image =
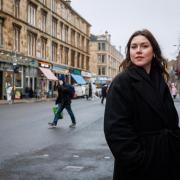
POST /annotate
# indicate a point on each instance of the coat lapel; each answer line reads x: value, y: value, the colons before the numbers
x: 145, y: 89
x: 150, y: 97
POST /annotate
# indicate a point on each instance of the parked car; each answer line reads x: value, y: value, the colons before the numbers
x: 79, y: 90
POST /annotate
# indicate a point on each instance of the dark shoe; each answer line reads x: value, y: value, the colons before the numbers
x: 72, y: 125
x: 52, y: 124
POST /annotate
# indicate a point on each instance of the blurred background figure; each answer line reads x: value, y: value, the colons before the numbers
x: 94, y: 91
x: 9, y: 93
x: 90, y: 91
x: 173, y: 90
x: 87, y: 91
x: 103, y: 92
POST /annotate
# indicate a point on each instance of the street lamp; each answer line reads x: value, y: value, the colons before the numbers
x: 15, y: 70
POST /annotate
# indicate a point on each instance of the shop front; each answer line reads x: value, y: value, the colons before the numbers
x: 14, y: 78
x: 78, y: 82
x: 87, y: 76
x: 20, y: 72
x: 100, y: 80
x: 31, y: 79
x: 77, y: 78
x: 61, y: 72
x: 46, y: 80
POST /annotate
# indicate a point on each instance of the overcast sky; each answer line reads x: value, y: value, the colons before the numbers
x: 122, y: 17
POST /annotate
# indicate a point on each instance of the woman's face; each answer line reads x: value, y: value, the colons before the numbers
x: 141, y: 52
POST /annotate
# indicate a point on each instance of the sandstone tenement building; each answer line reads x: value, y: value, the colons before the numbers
x: 41, y: 40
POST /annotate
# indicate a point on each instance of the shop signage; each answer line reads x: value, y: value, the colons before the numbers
x: 60, y: 69
x: 75, y: 71
x: 44, y: 65
x: 5, y: 66
x: 86, y: 74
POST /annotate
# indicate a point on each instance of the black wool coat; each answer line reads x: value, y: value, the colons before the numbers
x: 141, y: 127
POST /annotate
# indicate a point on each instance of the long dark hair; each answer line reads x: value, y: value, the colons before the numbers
x: 156, y: 49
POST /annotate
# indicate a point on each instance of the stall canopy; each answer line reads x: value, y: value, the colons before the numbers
x: 78, y: 78
x: 49, y: 74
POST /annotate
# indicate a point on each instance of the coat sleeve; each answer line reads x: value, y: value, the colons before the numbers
x: 118, y: 126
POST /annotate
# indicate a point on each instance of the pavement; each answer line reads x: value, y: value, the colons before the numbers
x: 32, y: 100
x: 27, y: 100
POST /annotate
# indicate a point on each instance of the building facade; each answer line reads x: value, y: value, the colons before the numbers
x: 174, y: 71
x: 40, y: 39
x: 104, y: 58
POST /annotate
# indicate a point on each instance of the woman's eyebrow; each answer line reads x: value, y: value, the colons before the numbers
x: 142, y: 43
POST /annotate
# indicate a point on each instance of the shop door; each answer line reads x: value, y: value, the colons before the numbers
x: 1, y: 84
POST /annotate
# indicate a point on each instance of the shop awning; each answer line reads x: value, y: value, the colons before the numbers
x: 78, y: 78
x: 60, y: 70
x: 49, y: 74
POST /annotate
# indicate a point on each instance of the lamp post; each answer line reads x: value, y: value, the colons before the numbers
x: 15, y: 68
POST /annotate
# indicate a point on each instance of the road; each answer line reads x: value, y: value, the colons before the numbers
x: 177, y: 105
x: 30, y: 150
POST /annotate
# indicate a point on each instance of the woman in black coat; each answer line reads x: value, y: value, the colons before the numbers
x: 141, y: 122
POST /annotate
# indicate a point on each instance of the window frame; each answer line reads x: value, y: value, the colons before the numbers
x: 32, y: 13
x: 17, y: 37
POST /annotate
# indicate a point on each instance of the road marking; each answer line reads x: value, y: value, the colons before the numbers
x: 74, y: 168
x: 107, y: 157
x: 75, y: 156
x: 42, y: 156
x: 45, y: 155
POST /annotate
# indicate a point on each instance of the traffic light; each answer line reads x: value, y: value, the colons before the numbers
x: 16, y: 68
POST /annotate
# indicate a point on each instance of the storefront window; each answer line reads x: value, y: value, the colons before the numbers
x: 9, y: 77
x: 17, y: 78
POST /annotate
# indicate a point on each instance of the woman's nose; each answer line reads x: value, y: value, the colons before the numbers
x: 139, y: 49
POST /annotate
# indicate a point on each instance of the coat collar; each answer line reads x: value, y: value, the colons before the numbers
x: 142, y: 83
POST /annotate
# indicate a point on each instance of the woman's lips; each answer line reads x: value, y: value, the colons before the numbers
x: 139, y: 57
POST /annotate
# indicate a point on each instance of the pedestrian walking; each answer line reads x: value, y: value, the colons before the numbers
x: 87, y: 91
x: 90, y: 91
x: 65, y: 93
x: 173, y: 90
x: 94, y: 89
x: 141, y: 121
x: 103, y: 92
x: 9, y: 93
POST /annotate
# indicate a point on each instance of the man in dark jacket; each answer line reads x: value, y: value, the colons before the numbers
x: 103, y: 92
x: 64, y: 101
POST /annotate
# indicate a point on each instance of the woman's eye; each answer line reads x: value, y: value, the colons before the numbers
x: 133, y: 47
x: 145, y: 46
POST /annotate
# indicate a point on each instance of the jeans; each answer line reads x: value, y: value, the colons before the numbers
x: 69, y: 110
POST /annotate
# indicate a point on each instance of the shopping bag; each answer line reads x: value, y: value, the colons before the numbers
x: 55, y: 110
